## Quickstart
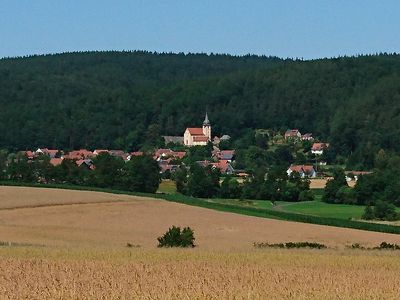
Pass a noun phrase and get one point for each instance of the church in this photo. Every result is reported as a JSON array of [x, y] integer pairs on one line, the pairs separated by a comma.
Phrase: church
[[198, 136]]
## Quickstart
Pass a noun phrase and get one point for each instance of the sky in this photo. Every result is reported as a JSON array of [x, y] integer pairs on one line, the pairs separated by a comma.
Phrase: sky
[[286, 28]]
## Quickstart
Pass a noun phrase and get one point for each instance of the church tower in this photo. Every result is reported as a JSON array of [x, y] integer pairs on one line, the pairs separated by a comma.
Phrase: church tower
[[207, 127]]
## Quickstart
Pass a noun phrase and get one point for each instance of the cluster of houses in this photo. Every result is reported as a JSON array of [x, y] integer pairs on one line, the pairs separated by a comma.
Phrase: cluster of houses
[[168, 160], [305, 171]]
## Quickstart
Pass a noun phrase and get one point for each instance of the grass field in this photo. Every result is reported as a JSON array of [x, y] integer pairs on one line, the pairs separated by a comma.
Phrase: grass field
[[75, 247], [167, 187], [318, 208]]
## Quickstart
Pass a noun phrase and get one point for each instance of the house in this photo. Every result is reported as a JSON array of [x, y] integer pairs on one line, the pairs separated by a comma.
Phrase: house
[[307, 137], [85, 163], [305, 171], [355, 175], [56, 161], [224, 166], [224, 155], [198, 136], [178, 154], [79, 154], [217, 140], [52, 153], [166, 166], [30, 154], [292, 134], [119, 153], [318, 148], [225, 137], [98, 151], [162, 153], [133, 154]]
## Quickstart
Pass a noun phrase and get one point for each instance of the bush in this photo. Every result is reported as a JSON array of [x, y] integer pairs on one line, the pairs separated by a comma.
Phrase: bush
[[382, 211], [291, 245], [175, 237]]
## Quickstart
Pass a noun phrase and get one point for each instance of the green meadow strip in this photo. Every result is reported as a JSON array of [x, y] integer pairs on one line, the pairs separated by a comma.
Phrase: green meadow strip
[[250, 211]]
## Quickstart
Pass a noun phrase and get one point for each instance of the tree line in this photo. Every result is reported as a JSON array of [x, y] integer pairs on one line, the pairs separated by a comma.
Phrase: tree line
[[140, 174], [276, 185]]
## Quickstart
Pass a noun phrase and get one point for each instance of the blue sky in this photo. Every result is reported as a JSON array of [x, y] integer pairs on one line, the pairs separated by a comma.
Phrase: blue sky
[[302, 28]]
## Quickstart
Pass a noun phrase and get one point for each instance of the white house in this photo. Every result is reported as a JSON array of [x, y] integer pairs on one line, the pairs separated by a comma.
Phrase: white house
[[303, 170]]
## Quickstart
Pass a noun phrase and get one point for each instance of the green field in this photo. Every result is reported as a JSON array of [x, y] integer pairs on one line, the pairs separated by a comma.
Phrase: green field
[[322, 209], [167, 187], [314, 208]]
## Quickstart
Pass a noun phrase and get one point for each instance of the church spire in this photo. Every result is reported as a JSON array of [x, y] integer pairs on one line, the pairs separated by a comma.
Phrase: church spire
[[206, 121]]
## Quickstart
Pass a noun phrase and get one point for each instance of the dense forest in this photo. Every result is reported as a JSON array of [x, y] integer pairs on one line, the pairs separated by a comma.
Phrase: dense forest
[[123, 99]]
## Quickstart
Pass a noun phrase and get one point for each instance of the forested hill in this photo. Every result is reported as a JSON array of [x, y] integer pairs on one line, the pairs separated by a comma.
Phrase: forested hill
[[109, 99]]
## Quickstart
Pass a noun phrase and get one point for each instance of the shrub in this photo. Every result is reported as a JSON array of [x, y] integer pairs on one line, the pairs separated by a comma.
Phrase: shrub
[[175, 237], [291, 245], [389, 246], [382, 211]]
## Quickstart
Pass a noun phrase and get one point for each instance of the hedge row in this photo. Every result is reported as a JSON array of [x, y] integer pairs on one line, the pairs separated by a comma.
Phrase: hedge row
[[251, 211]]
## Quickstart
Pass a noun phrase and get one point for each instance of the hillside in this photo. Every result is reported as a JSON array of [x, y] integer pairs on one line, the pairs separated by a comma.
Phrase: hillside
[[109, 99]]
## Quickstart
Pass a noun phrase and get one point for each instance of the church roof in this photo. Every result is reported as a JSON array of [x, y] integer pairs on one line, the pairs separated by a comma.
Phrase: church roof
[[195, 131], [199, 138]]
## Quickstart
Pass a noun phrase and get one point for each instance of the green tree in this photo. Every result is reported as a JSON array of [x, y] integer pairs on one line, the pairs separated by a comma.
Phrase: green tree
[[175, 237], [333, 186], [141, 174]]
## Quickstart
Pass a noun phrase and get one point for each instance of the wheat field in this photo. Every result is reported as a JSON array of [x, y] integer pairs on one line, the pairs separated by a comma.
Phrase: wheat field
[[54, 217], [47, 273], [72, 245]]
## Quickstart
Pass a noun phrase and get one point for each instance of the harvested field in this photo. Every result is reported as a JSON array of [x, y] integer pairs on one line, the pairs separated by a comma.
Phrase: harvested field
[[321, 183], [127, 219], [198, 274], [19, 197]]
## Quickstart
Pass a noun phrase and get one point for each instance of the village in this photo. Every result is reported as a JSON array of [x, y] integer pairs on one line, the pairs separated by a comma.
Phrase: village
[[170, 160]]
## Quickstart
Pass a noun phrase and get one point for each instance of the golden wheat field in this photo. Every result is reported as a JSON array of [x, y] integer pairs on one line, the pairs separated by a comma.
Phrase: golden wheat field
[[75, 248], [198, 274]]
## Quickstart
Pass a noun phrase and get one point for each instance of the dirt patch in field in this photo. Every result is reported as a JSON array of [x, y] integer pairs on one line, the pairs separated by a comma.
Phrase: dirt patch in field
[[140, 221]]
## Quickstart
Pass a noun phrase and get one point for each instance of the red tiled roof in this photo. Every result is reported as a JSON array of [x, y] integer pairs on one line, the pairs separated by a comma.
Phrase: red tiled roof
[[180, 154], [302, 168], [319, 146], [200, 138], [78, 154], [29, 154], [137, 153], [56, 161], [98, 151], [160, 152], [195, 131], [291, 132]]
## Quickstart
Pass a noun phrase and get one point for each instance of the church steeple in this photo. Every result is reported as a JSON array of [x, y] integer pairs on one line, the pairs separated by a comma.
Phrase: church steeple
[[206, 121], [207, 127]]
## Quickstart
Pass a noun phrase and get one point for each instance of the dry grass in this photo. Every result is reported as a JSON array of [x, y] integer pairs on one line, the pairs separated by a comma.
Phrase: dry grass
[[193, 274], [140, 221]]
